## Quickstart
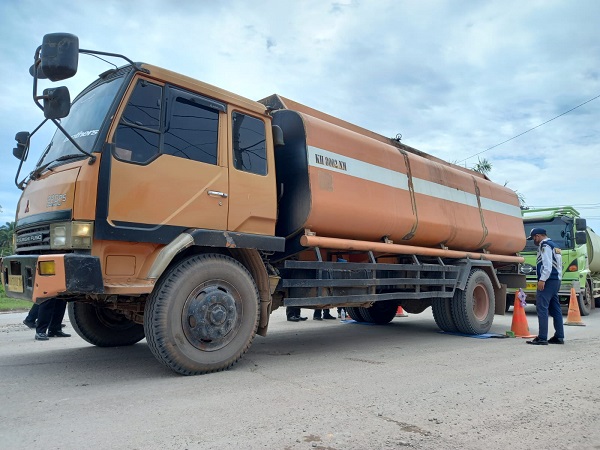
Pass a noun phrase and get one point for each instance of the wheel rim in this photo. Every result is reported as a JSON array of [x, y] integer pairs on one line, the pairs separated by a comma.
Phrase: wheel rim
[[211, 315], [481, 302]]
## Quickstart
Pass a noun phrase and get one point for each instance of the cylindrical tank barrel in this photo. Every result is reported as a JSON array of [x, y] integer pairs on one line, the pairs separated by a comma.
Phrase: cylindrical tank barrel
[[593, 248], [342, 183]]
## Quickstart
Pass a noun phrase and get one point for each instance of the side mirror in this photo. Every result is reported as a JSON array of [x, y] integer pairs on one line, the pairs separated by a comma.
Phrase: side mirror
[[277, 136], [57, 102], [580, 237], [580, 224], [22, 139], [60, 56]]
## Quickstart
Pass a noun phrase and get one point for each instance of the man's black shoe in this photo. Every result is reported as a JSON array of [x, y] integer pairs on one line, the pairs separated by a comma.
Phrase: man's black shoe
[[58, 334], [317, 318], [328, 317], [538, 341], [296, 318], [29, 324], [555, 340], [41, 337]]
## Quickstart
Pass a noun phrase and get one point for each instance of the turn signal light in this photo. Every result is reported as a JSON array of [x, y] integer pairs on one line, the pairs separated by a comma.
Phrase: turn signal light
[[47, 268]]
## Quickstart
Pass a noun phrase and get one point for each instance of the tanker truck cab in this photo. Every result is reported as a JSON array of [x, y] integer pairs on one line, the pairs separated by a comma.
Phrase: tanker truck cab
[[144, 164], [570, 233]]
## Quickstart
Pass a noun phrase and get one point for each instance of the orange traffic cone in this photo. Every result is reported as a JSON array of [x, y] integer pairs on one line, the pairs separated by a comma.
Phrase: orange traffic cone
[[400, 312], [574, 317], [519, 326]]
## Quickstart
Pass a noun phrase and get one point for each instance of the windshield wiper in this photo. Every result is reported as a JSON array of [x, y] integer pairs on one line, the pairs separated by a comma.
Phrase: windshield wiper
[[38, 172]]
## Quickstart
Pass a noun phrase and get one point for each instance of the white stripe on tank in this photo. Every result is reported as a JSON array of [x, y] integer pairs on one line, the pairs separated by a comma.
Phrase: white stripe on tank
[[325, 159]]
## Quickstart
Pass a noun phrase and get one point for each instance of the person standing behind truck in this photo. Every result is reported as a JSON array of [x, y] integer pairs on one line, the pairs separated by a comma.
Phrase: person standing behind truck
[[549, 274]]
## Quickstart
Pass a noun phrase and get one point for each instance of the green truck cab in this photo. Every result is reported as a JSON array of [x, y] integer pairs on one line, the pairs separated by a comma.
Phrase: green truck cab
[[580, 256]]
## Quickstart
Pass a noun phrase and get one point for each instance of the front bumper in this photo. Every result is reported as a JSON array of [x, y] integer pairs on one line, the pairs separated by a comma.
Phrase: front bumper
[[74, 274]]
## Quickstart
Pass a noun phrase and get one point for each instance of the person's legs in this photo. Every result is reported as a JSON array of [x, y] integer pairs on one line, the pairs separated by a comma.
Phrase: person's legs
[[58, 313], [45, 312], [292, 311], [327, 314], [555, 311], [542, 301], [32, 316], [317, 314]]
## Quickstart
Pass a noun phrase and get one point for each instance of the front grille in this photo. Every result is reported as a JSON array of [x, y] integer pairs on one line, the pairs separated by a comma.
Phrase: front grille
[[33, 240]]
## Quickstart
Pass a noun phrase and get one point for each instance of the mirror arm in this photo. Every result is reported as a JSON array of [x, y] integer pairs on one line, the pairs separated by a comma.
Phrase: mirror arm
[[36, 62], [116, 55]]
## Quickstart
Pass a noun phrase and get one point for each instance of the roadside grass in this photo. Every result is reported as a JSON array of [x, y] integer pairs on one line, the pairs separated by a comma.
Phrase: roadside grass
[[12, 304]]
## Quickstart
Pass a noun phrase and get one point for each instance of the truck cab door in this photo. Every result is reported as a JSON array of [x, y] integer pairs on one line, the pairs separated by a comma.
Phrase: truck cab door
[[252, 181], [168, 165]]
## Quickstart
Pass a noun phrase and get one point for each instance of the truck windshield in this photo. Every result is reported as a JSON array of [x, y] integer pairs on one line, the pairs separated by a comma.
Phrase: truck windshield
[[83, 122], [558, 230]]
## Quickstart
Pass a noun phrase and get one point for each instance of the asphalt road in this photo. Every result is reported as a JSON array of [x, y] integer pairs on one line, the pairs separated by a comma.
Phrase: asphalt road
[[324, 385]]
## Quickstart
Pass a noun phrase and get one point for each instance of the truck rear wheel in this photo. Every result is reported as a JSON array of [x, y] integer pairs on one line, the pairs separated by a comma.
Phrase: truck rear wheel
[[473, 308], [354, 313], [203, 314], [442, 314], [585, 300], [103, 327], [380, 312]]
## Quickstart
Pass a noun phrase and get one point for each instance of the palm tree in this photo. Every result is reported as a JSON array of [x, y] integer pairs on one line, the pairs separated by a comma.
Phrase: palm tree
[[483, 166]]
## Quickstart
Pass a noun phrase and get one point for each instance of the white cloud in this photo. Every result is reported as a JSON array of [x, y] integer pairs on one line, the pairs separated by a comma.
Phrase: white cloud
[[454, 78]]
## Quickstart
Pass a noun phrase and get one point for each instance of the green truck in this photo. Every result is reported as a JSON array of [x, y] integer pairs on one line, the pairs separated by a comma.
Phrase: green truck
[[580, 256]]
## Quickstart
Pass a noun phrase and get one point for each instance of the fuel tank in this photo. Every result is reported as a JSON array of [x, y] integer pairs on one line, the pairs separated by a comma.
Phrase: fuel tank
[[339, 180]]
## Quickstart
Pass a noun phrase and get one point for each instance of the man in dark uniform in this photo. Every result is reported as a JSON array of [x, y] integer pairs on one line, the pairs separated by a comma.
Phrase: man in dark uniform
[[50, 316], [549, 274]]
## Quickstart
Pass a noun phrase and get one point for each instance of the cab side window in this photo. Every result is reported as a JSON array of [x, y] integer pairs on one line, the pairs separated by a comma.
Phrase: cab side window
[[138, 135], [249, 144], [192, 127]]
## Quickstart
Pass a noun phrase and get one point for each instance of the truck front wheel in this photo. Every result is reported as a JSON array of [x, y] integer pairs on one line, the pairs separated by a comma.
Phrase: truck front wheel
[[585, 300], [473, 308], [202, 315], [103, 327]]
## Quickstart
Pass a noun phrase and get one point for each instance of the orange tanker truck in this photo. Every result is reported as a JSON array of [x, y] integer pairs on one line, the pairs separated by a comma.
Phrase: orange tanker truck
[[170, 209]]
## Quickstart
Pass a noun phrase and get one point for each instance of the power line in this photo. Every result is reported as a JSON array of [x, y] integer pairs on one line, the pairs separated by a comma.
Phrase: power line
[[531, 129]]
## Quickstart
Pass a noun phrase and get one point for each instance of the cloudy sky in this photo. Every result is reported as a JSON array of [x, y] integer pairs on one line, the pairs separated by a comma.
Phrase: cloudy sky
[[454, 77]]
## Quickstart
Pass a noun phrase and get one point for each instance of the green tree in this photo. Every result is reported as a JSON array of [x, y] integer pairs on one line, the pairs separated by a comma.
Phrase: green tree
[[6, 238]]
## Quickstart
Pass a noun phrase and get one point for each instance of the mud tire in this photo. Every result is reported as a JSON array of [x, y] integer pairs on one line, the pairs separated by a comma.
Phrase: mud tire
[[585, 300], [473, 308], [355, 314], [380, 313], [442, 314], [102, 326], [203, 314]]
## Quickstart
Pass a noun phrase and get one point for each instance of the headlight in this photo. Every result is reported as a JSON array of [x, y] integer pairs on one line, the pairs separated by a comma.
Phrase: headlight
[[527, 269], [71, 235]]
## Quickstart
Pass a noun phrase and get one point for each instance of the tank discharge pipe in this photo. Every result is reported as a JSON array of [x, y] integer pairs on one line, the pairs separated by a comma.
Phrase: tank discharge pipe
[[382, 247]]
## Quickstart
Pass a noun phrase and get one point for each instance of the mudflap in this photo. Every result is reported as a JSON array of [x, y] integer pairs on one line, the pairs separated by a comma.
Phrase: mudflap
[[500, 294]]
